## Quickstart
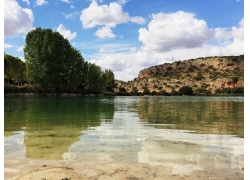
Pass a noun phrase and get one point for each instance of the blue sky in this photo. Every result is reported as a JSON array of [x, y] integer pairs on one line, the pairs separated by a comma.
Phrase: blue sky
[[127, 36]]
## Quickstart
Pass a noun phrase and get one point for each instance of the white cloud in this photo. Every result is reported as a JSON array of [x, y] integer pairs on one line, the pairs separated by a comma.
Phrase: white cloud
[[17, 20], [66, 1], [180, 29], [122, 64], [106, 15], [138, 20], [238, 33], [72, 7], [233, 47], [20, 48], [180, 36], [126, 61], [7, 46], [109, 62], [222, 34], [27, 1], [41, 2], [71, 15], [103, 15], [66, 32], [104, 32]]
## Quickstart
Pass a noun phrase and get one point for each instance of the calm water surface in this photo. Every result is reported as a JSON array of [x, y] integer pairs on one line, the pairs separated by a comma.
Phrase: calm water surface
[[184, 133]]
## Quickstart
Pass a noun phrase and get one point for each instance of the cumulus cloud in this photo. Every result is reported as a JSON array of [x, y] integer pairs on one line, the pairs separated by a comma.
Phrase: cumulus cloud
[[17, 20], [66, 32], [103, 15], [138, 20], [238, 32], [222, 34], [233, 47], [109, 62], [162, 44], [180, 36], [41, 2], [106, 15], [104, 32], [180, 29], [7, 46]]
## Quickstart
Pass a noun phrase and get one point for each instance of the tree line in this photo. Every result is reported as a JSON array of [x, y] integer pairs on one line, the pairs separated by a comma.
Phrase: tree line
[[54, 65]]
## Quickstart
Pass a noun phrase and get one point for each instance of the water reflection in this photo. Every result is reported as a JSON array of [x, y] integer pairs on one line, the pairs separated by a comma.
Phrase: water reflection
[[173, 135], [52, 125], [218, 115]]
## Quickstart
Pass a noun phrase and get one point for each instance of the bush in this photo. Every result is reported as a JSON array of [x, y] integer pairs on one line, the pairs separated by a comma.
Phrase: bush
[[155, 86], [202, 91], [146, 91], [190, 69], [169, 68], [174, 93], [202, 65], [210, 67], [160, 88], [163, 93], [198, 78], [238, 90], [186, 90], [122, 89]]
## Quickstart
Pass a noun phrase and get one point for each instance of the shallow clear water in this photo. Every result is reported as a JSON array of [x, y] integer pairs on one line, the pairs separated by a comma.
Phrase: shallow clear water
[[184, 133]]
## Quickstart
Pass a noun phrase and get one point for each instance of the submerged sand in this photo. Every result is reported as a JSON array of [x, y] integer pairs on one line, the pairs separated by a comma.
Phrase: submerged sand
[[188, 161], [40, 170]]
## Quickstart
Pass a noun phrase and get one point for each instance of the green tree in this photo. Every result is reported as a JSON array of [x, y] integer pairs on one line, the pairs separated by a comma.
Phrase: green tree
[[146, 91], [8, 61], [174, 92], [186, 90], [202, 91], [109, 80], [95, 81], [14, 69], [51, 61], [134, 90], [122, 90]]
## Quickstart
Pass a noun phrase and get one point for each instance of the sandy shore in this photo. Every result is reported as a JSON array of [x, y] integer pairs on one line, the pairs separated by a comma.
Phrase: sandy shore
[[26, 169]]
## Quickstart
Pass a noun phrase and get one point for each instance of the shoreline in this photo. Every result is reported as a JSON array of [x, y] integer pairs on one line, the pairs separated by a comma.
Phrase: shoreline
[[31, 94]]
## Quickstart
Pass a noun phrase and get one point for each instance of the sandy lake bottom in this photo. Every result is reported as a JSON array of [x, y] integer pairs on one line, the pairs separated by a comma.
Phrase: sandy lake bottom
[[180, 155]]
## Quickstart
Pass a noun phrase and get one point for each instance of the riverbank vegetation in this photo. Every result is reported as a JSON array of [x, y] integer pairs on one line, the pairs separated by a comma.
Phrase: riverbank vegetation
[[52, 65]]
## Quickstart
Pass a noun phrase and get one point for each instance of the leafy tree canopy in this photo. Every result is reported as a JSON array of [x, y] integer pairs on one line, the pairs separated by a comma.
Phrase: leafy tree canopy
[[52, 61], [14, 70]]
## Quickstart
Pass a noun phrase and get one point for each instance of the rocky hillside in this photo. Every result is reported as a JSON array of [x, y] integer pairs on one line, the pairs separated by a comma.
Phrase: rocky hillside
[[210, 73]]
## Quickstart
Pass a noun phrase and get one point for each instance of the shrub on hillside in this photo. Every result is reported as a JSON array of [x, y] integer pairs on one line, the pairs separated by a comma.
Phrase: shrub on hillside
[[186, 90]]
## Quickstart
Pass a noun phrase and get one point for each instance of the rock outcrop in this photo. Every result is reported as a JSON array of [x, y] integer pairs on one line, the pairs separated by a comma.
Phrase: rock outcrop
[[209, 73]]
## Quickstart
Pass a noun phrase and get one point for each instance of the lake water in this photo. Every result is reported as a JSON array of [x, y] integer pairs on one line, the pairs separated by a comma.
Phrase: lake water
[[124, 137]]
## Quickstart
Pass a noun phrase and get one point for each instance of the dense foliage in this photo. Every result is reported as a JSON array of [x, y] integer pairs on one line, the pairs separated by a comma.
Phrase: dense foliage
[[52, 61], [186, 90], [54, 65], [14, 70]]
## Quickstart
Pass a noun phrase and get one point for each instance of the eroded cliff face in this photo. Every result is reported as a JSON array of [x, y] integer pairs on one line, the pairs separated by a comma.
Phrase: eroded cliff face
[[229, 63], [210, 73]]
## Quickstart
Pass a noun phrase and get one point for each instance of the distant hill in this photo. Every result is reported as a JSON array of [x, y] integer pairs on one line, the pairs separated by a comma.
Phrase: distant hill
[[213, 74]]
